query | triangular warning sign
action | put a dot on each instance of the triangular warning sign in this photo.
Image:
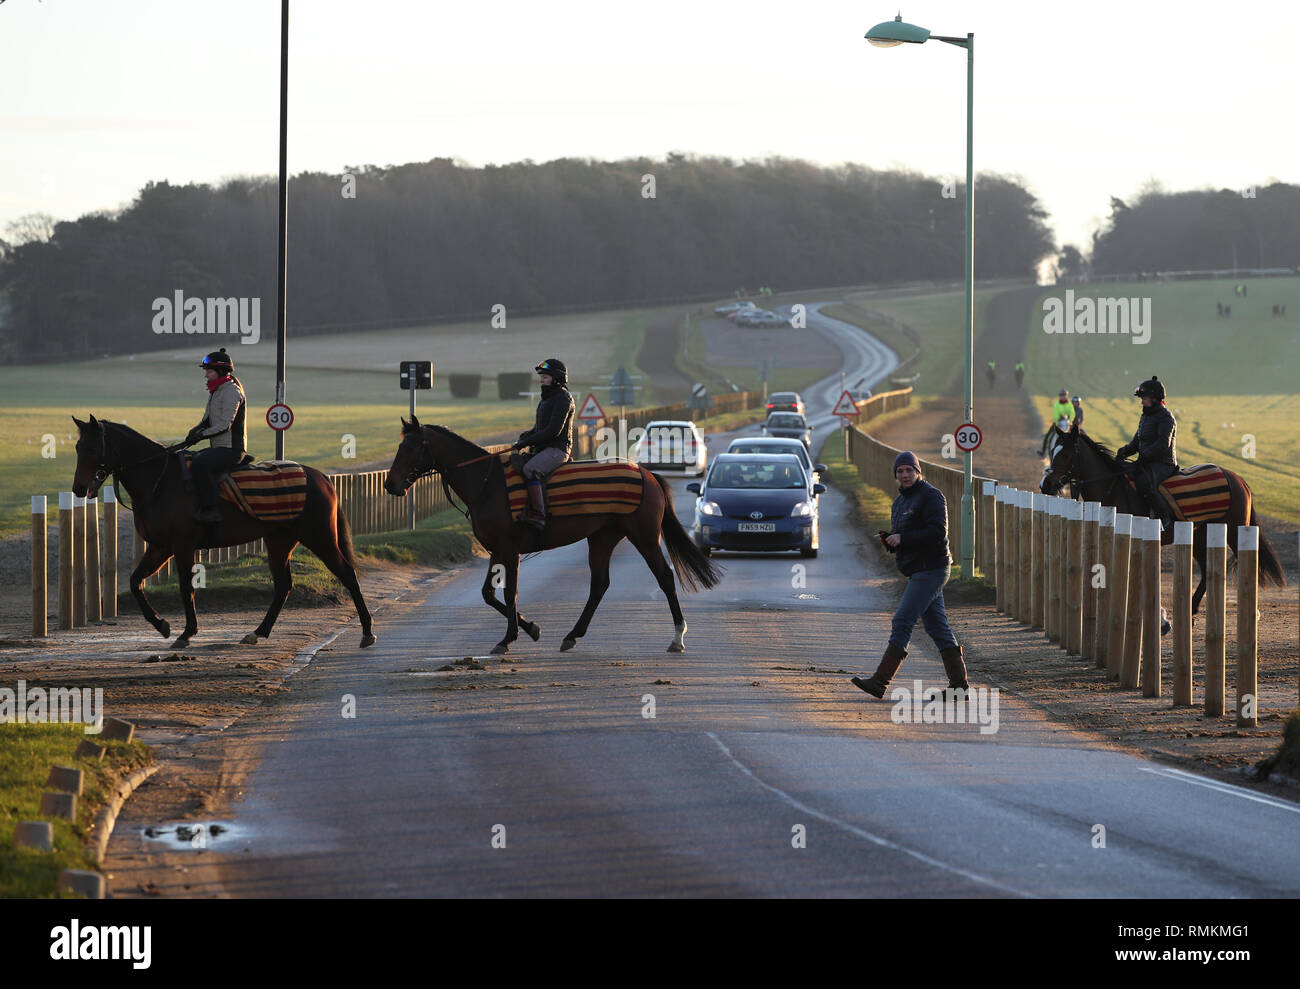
(591, 408)
(845, 406)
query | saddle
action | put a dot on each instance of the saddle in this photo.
(1195, 494)
(268, 490)
(580, 487)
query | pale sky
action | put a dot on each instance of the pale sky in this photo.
(1083, 100)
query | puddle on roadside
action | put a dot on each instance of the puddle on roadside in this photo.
(197, 835)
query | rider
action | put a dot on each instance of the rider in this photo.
(551, 437)
(1061, 409)
(1157, 453)
(223, 427)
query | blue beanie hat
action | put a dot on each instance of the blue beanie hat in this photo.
(907, 458)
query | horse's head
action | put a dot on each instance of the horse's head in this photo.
(414, 457)
(93, 460)
(1060, 470)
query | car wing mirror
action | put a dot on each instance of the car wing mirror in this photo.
(819, 489)
(819, 467)
(693, 487)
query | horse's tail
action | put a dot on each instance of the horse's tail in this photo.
(344, 532)
(1270, 569)
(692, 566)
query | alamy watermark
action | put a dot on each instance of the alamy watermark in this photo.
(1088, 315)
(933, 706)
(235, 316)
(57, 705)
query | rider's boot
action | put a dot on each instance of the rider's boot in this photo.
(535, 513)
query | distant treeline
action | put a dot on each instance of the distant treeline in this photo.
(1199, 230)
(420, 240)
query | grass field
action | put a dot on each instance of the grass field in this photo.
(338, 386)
(1227, 379)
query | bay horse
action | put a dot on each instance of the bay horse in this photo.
(478, 478)
(1096, 474)
(163, 513)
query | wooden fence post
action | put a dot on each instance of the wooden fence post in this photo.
(40, 568)
(1087, 560)
(67, 520)
(1247, 626)
(1181, 608)
(1052, 570)
(92, 562)
(79, 562)
(1025, 578)
(1038, 549)
(1105, 557)
(1012, 510)
(988, 530)
(1117, 582)
(1072, 632)
(1131, 667)
(1000, 551)
(108, 587)
(1151, 610)
(1215, 602)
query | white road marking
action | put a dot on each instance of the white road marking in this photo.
(1228, 788)
(876, 839)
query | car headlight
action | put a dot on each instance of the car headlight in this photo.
(803, 508)
(710, 508)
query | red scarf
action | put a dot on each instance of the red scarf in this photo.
(216, 383)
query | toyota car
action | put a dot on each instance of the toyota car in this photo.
(757, 503)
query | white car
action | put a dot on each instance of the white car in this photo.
(778, 444)
(672, 445)
(730, 307)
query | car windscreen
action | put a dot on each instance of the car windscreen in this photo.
(755, 474)
(793, 448)
(786, 421)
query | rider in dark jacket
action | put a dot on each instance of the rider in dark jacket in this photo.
(1155, 446)
(551, 437)
(919, 537)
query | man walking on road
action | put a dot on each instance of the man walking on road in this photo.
(919, 538)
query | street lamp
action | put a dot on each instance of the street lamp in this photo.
(890, 34)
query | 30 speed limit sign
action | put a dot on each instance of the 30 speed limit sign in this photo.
(968, 437)
(279, 417)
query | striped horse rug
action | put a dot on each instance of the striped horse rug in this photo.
(1197, 494)
(270, 490)
(582, 487)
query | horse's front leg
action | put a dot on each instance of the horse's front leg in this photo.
(185, 577)
(511, 590)
(150, 563)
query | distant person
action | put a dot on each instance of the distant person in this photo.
(551, 437)
(1156, 449)
(992, 373)
(224, 429)
(1020, 373)
(919, 541)
(1062, 408)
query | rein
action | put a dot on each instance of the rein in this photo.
(104, 470)
(412, 476)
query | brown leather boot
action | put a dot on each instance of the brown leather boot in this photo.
(955, 666)
(535, 513)
(876, 684)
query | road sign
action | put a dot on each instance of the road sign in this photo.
(279, 417)
(591, 409)
(621, 389)
(699, 397)
(845, 406)
(415, 374)
(968, 437)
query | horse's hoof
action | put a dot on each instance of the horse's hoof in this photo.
(533, 629)
(164, 627)
(568, 644)
(367, 640)
(250, 639)
(181, 642)
(677, 647)
(499, 649)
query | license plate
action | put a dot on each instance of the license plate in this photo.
(756, 527)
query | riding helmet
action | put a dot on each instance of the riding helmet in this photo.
(555, 368)
(218, 360)
(1151, 387)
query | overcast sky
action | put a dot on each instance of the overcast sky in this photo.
(1083, 100)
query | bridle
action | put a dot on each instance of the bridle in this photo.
(105, 468)
(1065, 476)
(416, 472)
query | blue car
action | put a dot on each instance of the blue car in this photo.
(756, 503)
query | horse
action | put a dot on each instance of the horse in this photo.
(478, 479)
(164, 517)
(1096, 474)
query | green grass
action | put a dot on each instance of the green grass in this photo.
(1226, 378)
(437, 540)
(937, 319)
(871, 506)
(26, 754)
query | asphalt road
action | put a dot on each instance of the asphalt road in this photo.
(762, 772)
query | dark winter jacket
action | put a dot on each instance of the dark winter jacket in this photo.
(1154, 440)
(920, 517)
(554, 426)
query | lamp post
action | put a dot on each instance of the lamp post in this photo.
(887, 35)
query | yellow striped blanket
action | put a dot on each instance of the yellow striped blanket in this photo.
(582, 487)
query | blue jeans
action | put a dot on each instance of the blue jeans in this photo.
(923, 598)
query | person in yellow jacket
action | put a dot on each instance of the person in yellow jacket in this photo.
(1061, 409)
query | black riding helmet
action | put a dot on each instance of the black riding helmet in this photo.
(218, 360)
(555, 368)
(1151, 387)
